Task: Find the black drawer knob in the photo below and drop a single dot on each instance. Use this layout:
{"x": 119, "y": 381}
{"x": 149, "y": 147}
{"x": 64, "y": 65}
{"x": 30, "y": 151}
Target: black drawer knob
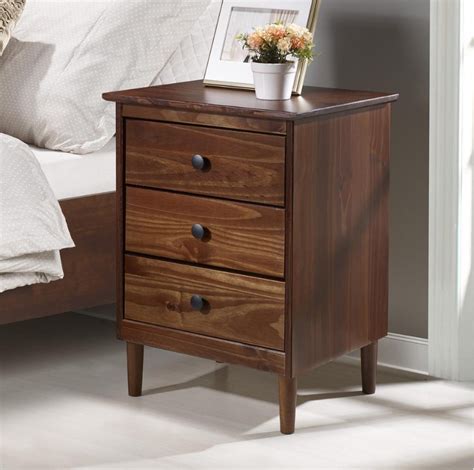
{"x": 199, "y": 232}
{"x": 198, "y": 303}
{"x": 199, "y": 162}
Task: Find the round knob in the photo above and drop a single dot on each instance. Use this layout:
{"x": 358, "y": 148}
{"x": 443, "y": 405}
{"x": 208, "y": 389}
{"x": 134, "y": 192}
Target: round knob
{"x": 199, "y": 162}
{"x": 197, "y": 302}
{"x": 198, "y": 231}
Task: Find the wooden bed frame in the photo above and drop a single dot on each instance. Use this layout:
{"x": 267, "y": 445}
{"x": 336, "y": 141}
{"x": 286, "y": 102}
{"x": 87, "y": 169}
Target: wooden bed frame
{"x": 89, "y": 268}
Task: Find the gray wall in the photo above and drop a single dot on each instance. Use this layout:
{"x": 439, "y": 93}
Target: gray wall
{"x": 383, "y": 45}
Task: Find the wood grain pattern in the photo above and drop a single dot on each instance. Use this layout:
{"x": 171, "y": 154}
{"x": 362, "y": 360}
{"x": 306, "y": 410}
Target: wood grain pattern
{"x": 239, "y": 236}
{"x": 89, "y": 268}
{"x": 205, "y": 119}
{"x": 289, "y": 268}
{"x": 340, "y": 237}
{"x": 379, "y": 231}
{"x": 243, "y": 166}
{"x": 240, "y": 308}
{"x": 208, "y": 347}
{"x": 327, "y": 173}
{"x": 194, "y": 96}
{"x": 120, "y": 209}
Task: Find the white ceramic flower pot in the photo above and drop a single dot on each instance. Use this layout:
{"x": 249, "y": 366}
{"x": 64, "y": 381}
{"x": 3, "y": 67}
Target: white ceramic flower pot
{"x": 274, "y": 81}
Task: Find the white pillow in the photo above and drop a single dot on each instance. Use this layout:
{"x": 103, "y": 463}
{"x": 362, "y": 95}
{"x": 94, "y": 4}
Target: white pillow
{"x": 64, "y": 54}
{"x": 189, "y": 61}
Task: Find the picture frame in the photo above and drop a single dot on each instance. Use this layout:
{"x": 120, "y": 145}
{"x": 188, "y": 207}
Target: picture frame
{"x": 228, "y": 64}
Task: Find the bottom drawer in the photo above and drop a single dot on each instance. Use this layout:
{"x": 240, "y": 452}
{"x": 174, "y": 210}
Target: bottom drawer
{"x": 225, "y": 305}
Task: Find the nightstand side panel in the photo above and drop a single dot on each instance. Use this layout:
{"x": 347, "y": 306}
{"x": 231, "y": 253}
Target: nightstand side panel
{"x": 339, "y": 255}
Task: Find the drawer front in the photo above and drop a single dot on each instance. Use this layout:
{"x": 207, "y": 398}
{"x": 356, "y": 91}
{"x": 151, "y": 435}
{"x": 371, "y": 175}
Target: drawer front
{"x": 228, "y": 234}
{"x": 209, "y": 302}
{"x": 236, "y": 165}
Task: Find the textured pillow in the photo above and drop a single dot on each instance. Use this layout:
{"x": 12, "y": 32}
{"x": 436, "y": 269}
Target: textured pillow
{"x": 10, "y": 11}
{"x": 189, "y": 61}
{"x": 66, "y": 53}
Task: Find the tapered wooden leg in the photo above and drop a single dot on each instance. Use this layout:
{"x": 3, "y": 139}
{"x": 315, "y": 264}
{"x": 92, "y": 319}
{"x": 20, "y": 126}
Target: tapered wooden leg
{"x": 135, "y": 369}
{"x": 287, "y": 387}
{"x": 368, "y": 359}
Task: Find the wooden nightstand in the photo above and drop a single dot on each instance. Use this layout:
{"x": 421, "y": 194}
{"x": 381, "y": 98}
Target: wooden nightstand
{"x": 253, "y": 232}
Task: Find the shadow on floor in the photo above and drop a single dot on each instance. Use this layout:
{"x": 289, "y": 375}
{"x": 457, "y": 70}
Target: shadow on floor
{"x": 75, "y": 358}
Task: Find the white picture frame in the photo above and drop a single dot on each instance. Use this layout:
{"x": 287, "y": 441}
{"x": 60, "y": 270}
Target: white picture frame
{"x": 226, "y": 66}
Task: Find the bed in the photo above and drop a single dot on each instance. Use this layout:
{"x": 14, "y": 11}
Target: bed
{"x": 85, "y": 188}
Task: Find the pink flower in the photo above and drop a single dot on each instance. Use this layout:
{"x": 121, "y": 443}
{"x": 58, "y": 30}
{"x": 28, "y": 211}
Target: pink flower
{"x": 298, "y": 43}
{"x": 276, "y": 32}
{"x": 254, "y": 41}
{"x": 273, "y": 43}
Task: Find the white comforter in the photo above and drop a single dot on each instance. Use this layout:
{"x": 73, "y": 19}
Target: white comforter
{"x": 32, "y": 226}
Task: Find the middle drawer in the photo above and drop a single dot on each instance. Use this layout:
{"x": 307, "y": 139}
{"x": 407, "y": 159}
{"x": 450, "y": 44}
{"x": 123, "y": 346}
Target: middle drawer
{"x": 244, "y": 237}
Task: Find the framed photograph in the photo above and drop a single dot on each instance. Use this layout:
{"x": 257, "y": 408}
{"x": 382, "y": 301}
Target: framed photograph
{"x": 229, "y": 64}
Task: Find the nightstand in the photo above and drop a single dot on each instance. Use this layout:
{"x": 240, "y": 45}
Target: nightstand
{"x": 253, "y": 232}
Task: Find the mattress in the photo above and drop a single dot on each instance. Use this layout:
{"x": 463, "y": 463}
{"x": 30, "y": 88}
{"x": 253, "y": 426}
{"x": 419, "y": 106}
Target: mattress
{"x": 72, "y": 176}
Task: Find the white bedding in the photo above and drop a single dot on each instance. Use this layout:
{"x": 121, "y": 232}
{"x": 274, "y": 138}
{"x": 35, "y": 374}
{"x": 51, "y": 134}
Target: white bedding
{"x": 65, "y": 53}
{"x": 189, "y": 60}
{"x": 32, "y": 180}
{"x": 73, "y": 176}
{"x": 32, "y": 226}
{"x": 83, "y": 175}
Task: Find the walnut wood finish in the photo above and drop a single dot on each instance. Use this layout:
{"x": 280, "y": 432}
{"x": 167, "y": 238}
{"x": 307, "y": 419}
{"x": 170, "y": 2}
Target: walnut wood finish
{"x": 340, "y": 235}
{"x": 242, "y": 165}
{"x": 195, "y": 97}
{"x": 287, "y": 394}
{"x": 89, "y": 268}
{"x": 135, "y": 369}
{"x": 120, "y": 209}
{"x": 238, "y": 236}
{"x": 204, "y": 119}
{"x": 368, "y": 359}
{"x": 241, "y": 308}
{"x": 208, "y": 347}
{"x": 333, "y": 163}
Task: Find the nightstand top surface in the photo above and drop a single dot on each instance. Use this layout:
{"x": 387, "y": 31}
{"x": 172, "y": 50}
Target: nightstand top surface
{"x": 194, "y": 96}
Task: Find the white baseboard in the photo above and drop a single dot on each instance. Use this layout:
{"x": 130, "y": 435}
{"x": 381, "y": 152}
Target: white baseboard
{"x": 402, "y": 352}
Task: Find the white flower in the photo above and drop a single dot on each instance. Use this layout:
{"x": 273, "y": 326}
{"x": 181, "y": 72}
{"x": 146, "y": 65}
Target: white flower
{"x": 295, "y": 30}
{"x": 284, "y": 45}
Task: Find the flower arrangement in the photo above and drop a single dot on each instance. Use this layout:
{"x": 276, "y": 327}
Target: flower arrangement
{"x": 276, "y": 42}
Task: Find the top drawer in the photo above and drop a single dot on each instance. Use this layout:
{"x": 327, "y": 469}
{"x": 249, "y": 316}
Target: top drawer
{"x": 237, "y": 165}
